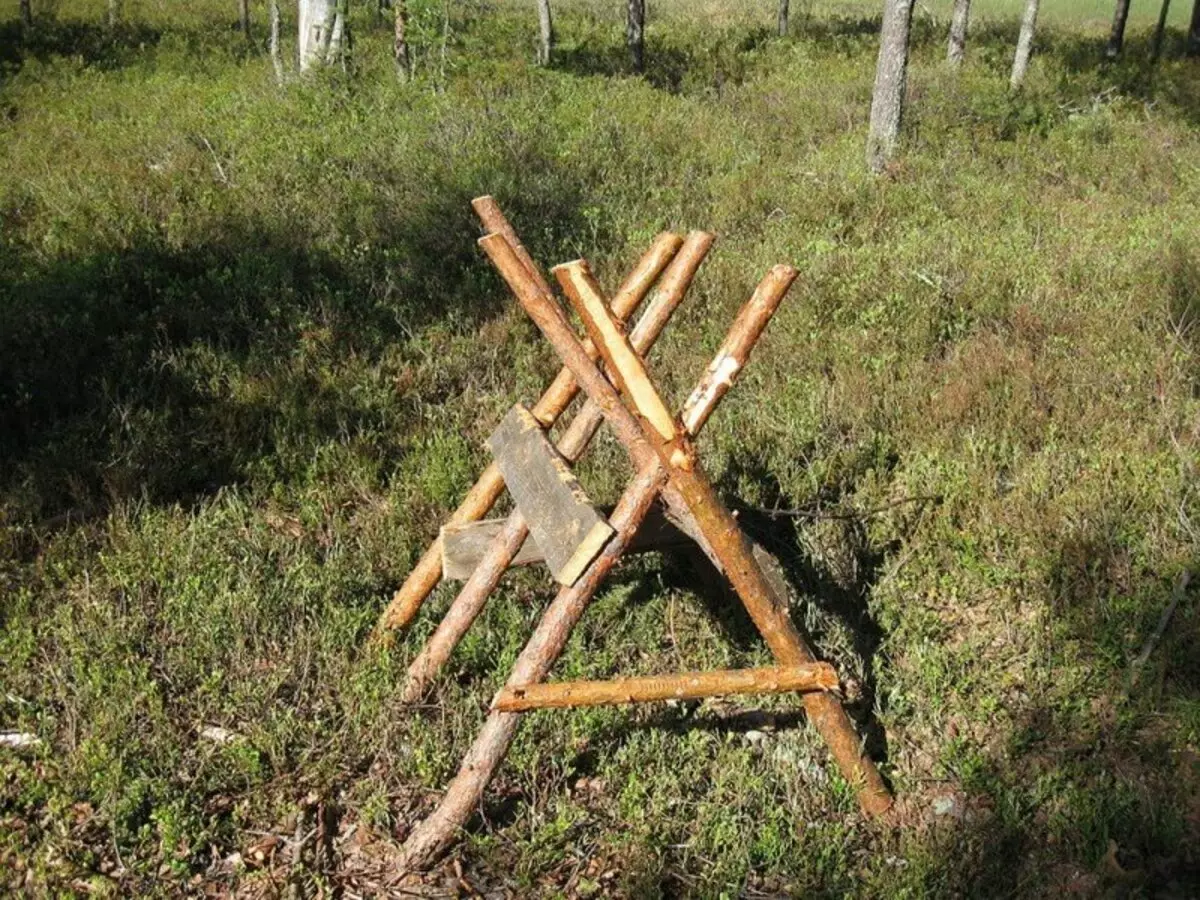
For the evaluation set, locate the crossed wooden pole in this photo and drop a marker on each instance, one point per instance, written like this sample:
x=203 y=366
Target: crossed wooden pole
x=580 y=545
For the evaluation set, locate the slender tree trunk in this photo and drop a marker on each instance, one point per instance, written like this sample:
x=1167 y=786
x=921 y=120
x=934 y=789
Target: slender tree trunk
x=1193 y=41
x=635 y=33
x=958 y=32
x=1160 y=30
x=114 y=13
x=244 y=17
x=783 y=18
x=545 y=33
x=276 y=56
x=1116 y=37
x=26 y=13
x=891 y=74
x=400 y=43
x=1025 y=44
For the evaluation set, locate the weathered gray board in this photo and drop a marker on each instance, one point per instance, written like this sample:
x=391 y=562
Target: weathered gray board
x=463 y=545
x=563 y=522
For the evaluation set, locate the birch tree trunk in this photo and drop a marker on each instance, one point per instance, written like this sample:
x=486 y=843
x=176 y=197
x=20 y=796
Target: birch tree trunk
x=1116 y=37
x=958 y=33
x=276 y=56
x=783 y=18
x=545 y=33
x=891 y=75
x=400 y=42
x=320 y=32
x=635 y=33
x=244 y=17
x=1193 y=41
x=114 y=12
x=1160 y=30
x=1025 y=44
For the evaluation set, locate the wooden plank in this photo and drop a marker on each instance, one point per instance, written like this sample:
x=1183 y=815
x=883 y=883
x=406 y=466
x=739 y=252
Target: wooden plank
x=464 y=545
x=563 y=522
x=687 y=686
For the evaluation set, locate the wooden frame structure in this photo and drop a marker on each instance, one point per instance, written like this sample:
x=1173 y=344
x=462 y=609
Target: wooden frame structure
x=609 y=368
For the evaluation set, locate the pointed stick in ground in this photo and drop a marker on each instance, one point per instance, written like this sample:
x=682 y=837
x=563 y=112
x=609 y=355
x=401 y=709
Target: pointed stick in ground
x=426 y=574
x=474 y=593
x=462 y=797
x=651 y=688
x=722 y=532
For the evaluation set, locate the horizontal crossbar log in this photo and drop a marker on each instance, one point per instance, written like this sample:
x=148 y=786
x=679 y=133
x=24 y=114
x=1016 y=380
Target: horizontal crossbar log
x=648 y=689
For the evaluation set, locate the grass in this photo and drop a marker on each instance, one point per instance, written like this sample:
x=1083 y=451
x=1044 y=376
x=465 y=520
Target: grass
x=249 y=355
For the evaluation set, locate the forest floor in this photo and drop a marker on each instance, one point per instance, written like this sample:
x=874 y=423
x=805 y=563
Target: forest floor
x=249 y=354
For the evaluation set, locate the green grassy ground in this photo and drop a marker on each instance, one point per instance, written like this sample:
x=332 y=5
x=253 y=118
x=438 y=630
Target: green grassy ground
x=249 y=354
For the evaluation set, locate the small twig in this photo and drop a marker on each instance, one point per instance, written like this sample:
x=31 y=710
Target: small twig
x=810 y=513
x=1163 y=621
x=216 y=160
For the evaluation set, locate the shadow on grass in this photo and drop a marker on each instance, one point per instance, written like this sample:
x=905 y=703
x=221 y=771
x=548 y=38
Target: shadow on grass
x=159 y=373
x=91 y=42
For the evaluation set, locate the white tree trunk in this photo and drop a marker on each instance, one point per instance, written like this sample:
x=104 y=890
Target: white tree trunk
x=320 y=33
x=114 y=12
x=1024 y=44
x=276 y=56
x=891 y=75
x=958 y=32
x=545 y=33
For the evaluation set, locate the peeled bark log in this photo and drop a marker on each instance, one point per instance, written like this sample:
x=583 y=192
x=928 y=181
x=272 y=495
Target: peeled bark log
x=726 y=540
x=479 y=500
x=958 y=33
x=545 y=33
x=891 y=75
x=652 y=688
x=432 y=836
x=635 y=33
x=462 y=797
x=1116 y=37
x=1024 y=44
x=782 y=21
x=475 y=592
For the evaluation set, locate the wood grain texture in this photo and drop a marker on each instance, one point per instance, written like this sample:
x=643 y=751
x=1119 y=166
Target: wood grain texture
x=557 y=511
x=474 y=593
x=408 y=599
x=652 y=688
x=464 y=546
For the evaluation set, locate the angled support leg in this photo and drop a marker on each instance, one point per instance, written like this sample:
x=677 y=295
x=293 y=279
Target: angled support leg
x=472 y=597
x=462 y=797
x=425 y=576
x=724 y=536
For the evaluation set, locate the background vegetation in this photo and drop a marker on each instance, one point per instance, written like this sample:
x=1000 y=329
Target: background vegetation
x=249 y=354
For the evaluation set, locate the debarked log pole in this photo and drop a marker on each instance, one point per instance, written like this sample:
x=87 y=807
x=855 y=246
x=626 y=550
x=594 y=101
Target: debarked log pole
x=652 y=688
x=463 y=795
x=721 y=531
x=472 y=597
x=406 y=602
